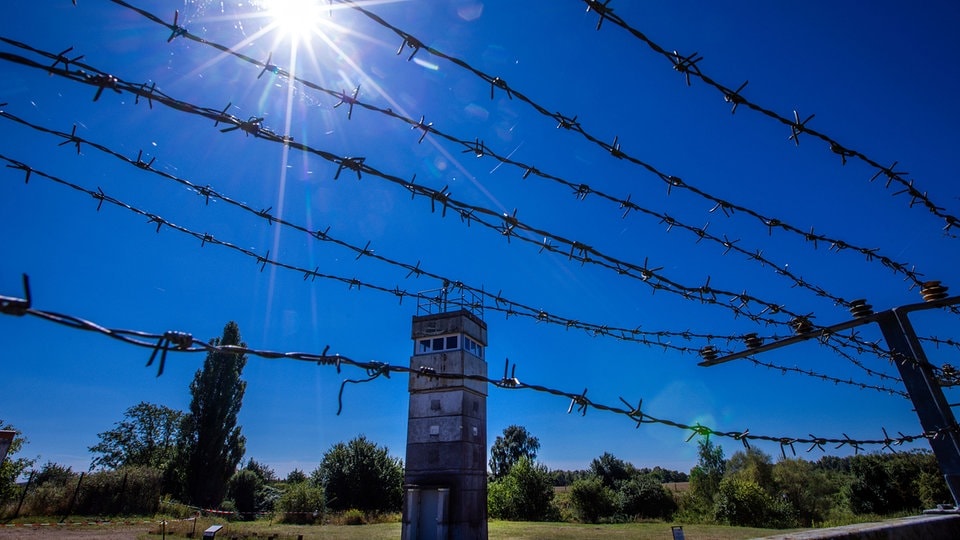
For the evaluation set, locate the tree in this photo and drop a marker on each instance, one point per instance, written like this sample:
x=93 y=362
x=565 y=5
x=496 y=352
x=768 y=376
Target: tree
x=12 y=467
x=752 y=464
x=210 y=439
x=524 y=494
x=612 y=470
x=266 y=474
x=515 y=443
x=146 y=437
x=705 y=477
x=296 y=476
x=360 y=475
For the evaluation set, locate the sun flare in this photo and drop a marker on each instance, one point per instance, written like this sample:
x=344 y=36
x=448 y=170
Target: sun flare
x=294 y=19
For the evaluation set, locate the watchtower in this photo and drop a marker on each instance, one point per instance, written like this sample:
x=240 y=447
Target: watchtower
x=445 y=483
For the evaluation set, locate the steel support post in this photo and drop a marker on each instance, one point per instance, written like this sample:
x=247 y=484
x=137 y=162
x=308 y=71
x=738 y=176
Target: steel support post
x=935 y=414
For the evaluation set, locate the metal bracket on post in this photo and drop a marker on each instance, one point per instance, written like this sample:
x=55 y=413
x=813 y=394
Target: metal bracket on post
x=925 y=393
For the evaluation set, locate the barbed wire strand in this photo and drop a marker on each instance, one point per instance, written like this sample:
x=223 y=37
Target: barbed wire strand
x=468 y=213
x=580 y=190
x=262 y=260
x=321 y=234
x=508 y=225
x=185 y=342
x=615 y=149
x=689 y=66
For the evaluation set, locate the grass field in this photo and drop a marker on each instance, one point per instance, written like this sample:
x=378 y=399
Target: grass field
x=499 y=530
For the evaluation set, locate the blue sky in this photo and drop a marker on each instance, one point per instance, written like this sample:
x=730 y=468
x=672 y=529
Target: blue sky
x=879 y=80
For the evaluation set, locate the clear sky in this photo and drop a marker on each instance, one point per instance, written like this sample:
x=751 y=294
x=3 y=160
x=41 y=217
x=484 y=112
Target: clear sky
x=881 y=80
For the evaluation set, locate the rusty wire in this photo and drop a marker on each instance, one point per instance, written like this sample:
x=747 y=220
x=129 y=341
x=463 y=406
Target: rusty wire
x=185 y=342
x=689 y=67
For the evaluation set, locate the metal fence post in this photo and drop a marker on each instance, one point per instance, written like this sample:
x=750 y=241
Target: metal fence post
x=932 y=408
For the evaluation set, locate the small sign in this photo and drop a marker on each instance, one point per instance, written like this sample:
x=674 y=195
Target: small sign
x=212 y=531
x=6 y=439
x=677 y=532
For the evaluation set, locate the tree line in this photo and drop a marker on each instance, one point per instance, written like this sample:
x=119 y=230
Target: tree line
x=157 y=459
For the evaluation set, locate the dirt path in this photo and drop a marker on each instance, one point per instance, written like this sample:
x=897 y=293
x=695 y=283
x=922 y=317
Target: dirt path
x=100 y=531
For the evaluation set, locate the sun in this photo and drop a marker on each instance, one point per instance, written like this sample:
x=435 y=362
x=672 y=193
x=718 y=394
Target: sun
x=294 y=19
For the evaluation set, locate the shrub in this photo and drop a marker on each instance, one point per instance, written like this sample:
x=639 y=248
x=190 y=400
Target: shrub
x=360 y=474
x=592 y=500
x=353 y=517
x=525 y=493
x=645 y=497
x=743 y=502
x=302 y=504
x=243 y=489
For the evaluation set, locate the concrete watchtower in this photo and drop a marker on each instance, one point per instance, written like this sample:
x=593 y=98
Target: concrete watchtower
x=445 y=491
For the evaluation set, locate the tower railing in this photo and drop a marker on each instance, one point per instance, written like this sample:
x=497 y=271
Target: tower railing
x=449 y=298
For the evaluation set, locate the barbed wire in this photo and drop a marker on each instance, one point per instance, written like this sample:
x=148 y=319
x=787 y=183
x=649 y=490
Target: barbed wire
x=689 y=67
x=467 y=212
x=571 y=123
x=263 y=260
x=507 y=225
x=580 y=190
x=941 y=342
x=179 y=341
x=322 y=234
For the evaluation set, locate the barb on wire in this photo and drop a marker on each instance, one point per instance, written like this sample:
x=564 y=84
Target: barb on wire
x=188 y=344
x=796 y=126
x=539 y=315
x=687 y=63
x=511 y=225
x=702 y=292
x=727 y=208
x=17 y=306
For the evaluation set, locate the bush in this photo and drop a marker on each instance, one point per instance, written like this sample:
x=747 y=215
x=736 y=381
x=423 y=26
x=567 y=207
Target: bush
x=592 y=500
x=301 y=504
x=353 y=517
x=362 y=475
x=744 y=503
x=243 y=488
x=524 y=494
x=645 y=497
x=132 y=490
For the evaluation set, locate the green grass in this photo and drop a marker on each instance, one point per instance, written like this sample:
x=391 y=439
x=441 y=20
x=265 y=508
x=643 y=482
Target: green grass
x=499 y=530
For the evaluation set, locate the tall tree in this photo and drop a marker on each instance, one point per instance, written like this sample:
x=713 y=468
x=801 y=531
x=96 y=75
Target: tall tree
x=211 y=443
x=146 y=436
x=515 y=443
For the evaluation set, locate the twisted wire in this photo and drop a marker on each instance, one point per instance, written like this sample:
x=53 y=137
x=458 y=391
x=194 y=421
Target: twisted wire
x=264 y=260
x=672 y=182
x=578 y=189
x=507 y=225
x=185 y=342
x=689 y=67
x=254 y=127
